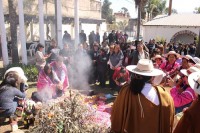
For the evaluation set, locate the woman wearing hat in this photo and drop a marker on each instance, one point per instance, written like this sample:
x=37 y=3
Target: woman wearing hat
x=140 y=107
x=182 y=93
x=189 y=123
x=158 y=61
x=170 y=66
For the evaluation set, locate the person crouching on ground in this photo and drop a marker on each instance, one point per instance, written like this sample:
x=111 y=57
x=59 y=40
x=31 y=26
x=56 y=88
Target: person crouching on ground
x=61 y=71
x=189 y=122
x=48 y=83
x=140 y=107
x=10 y=95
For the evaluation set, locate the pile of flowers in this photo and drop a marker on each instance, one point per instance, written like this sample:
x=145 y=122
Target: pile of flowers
x=73 y=113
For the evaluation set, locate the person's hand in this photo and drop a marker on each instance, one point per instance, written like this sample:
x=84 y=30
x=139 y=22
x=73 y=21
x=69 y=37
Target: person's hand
x=171 y=82
x=60 y=86
x=49 y=54
x=121 y=84
x=117 y=83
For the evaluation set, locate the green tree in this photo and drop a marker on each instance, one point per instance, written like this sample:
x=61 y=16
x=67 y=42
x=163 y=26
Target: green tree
x=174 y=11
x=122 y=25
x=197 y=10
x=140 y=4
x=107 y=12
x=155 y=7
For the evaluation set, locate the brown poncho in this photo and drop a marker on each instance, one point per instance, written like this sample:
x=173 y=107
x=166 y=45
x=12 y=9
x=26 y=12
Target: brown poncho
x=136 y=114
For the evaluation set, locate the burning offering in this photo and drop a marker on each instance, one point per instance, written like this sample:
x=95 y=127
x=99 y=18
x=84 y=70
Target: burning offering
x=71 y=114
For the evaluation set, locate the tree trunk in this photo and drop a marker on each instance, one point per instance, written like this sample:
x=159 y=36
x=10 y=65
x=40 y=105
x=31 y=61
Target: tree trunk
x=198 y=47
x=170 y=7
x=139 y=21
x=13 y=30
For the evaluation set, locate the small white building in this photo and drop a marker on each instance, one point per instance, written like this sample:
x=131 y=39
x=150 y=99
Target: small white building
x=183 y=28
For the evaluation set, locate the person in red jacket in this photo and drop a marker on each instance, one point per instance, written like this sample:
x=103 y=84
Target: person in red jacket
x=121 y=77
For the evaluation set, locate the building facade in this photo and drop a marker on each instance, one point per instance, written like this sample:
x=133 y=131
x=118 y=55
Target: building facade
x=178 y=28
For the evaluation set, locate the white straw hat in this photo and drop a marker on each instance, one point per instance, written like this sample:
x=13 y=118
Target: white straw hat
x=18 y=70
x=145 y=67
x=196 y=60
x=157 y=57
x=194 y=82
x=190 y=70
x=172 y=53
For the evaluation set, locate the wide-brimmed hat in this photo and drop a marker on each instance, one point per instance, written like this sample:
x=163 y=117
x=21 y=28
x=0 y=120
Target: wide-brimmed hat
x=172 y=53
x=194 y=82
x=145 y=67
x=189 y=58
x=157 y=57
x=196 y=60
x=19 y=71
x=190 y=70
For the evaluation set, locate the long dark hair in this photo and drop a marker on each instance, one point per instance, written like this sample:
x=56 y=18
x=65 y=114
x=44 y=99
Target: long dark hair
x=46 y=68
x=138 y=82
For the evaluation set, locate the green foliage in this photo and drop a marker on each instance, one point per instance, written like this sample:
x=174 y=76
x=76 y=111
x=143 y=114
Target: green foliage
x=107 y=12
x=197 y=10
x=160 y=39
x=30 y=71
x=122 y=25
x=155 y=7
x=174 y=11
x=197 y=40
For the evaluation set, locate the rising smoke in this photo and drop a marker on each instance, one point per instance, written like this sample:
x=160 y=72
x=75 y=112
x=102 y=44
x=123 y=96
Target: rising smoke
x=80 y=70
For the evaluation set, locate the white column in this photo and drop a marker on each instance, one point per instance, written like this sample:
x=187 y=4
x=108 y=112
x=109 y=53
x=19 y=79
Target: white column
x=22 y=31
x=41 y=21
x=59 y=23
x=76 y=21
x=3 y=37
x=31 y=27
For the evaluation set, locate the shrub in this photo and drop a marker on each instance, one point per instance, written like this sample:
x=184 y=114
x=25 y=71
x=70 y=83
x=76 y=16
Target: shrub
x=30 y=71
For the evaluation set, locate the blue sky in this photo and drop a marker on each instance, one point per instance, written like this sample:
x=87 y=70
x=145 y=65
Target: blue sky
x=182 y=6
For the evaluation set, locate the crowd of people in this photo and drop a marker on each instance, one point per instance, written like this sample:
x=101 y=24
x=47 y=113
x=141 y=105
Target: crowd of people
x=138 y=71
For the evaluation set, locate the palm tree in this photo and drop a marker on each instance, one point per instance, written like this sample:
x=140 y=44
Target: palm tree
x=170 y=7
x=155 y=7
x=122 y=25
x=139 y=4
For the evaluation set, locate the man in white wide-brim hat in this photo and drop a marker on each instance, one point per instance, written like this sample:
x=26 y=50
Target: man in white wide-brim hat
x=189 y=123
x=140 y=107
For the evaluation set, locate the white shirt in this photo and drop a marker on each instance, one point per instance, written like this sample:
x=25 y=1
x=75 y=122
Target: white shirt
x=150 y=93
